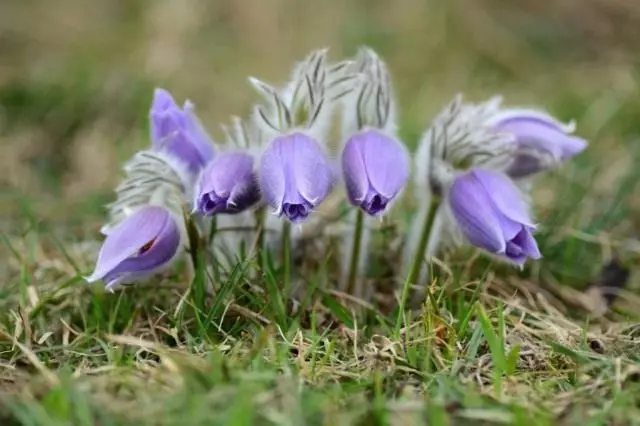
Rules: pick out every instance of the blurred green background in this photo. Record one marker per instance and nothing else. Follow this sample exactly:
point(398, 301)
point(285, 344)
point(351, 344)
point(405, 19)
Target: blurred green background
point(76, 76)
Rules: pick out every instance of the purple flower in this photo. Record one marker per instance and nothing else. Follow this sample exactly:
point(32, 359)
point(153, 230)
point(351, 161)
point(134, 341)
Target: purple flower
point(295, 176)
point(542, 140)
point(493, 215)
point(137, 247)
point(178, 131)
point(375, 168)
point(227, 185)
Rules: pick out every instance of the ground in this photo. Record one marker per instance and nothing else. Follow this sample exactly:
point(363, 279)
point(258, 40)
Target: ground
point(555, 343)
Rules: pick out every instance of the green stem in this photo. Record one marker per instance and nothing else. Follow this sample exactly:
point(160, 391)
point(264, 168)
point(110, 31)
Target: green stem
point(259, 216)
point(212, 234)
point(286, 255)
point(212, 230)
point(355, 252)
point(418, 259)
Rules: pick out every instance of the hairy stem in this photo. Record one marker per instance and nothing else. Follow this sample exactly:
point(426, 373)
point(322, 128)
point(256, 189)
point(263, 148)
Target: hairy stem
point(355, 252)
point(286, 255)
point(212, 235)
point(259, 216)
point(212, 230)
point(418, 257)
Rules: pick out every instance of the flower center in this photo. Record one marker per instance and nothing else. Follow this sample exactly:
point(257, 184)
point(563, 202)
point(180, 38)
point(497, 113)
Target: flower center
point(295, 211)
point(513, 249)
point(375, 204)
point(145, 248)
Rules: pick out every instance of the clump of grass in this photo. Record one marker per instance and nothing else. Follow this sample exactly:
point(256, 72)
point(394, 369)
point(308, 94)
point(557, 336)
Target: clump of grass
point(493, 351)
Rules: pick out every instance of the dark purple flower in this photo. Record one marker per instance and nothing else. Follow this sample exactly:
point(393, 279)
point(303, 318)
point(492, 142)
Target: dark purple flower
point(137, 247)
point(295, 176)
point(179, 132)
point(227, 185)
point(375, 169)
point(541, 140)
point(493, 215)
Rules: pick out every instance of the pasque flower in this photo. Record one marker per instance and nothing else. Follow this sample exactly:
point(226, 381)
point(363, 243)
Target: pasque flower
point(295, 175)
point(178, 131)
point(542, 141)
point(138, 246)
point(375, 168)
point(493, 216)
point(227, 185)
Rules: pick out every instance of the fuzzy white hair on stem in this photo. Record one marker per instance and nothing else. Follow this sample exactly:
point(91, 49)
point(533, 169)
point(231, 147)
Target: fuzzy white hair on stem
point(151, 177)
point(307, 100)
point(460, 138)
point(372, 102)
point(245, 134)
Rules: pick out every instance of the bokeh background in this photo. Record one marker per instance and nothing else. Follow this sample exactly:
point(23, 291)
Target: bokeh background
point(77, 76)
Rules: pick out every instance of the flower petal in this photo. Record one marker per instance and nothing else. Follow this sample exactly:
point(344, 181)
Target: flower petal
point(225, 171)
point(200, 138)
point(526, 163)
point(510, 229)
point(227, 184)
point(386, 162)
point(527, 243)
point(354, 171)
point(162, 107)
point(129, 237)
point(475, 213)
point(151, 256)
point(515, 114)
point(179, 131)
point(179, 145)
point(309, 173)
point(543, 136)
point(504, 195)
point(271, 174)
point(162, 100)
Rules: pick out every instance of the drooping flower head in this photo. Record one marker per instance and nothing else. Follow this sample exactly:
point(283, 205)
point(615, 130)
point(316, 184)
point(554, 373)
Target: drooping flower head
point(541, 140)
point(493, 216)
point(227, 185)
point(295, 174)
point(145, 230)
point(375, 166)
point(137, 247)
point(179, 132)
point(375, 169)
point(464, 158)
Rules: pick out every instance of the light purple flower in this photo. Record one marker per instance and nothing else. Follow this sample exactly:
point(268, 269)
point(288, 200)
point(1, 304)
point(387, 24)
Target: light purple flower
point(542, 140)
point(178, 131)
point(227, 185)
point(137, 247)
point(493, 215)
point(295, 176)
point(375, 169)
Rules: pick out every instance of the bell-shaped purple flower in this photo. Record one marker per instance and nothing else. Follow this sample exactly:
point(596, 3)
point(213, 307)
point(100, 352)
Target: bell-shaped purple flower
point(137, 247)
point(542, 141)
point(227, 185)
point(375, 169)
point(178, 131)
point(492, 215)
point(295, 176)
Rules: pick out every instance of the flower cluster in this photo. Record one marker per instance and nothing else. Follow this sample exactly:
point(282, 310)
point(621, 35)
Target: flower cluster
point(480, 159)
point(471, 171)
